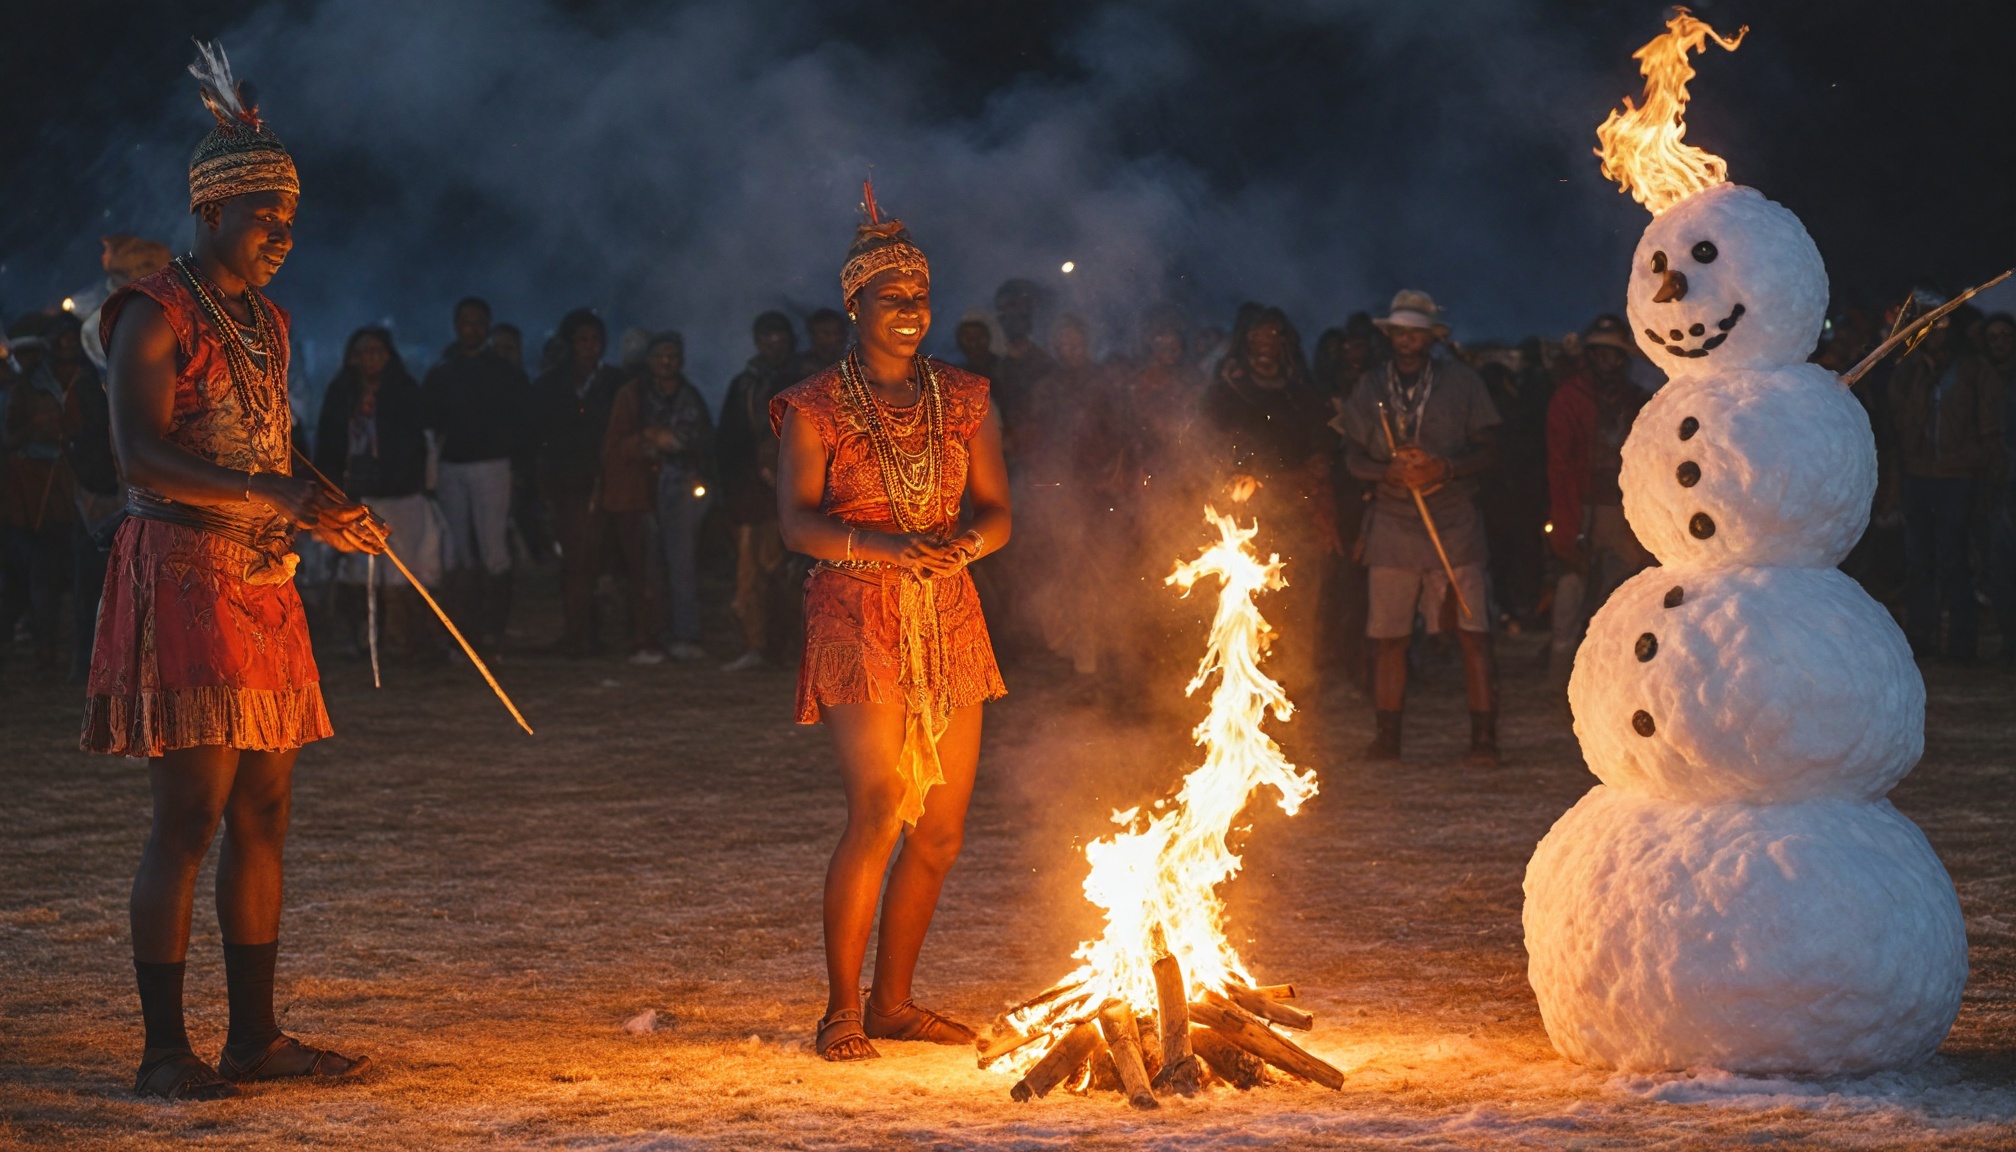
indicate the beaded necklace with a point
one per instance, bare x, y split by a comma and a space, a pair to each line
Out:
263, 405
909, 476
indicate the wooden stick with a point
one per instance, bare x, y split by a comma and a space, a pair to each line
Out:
1266, 1009
1000, 1043
1908, 331
1228, 1061
1064, 1057
1172, 1009
1427, 521
1276, 991
1123, 1038
1255, 1037
468, 649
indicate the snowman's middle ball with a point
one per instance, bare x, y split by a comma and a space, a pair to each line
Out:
1726, 279
1763, 685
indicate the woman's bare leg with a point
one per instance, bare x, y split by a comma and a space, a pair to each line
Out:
867, 738
929, 850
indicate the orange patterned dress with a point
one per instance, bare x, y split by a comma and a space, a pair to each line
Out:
201, 638
876, 634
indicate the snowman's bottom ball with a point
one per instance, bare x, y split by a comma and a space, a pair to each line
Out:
1822, 937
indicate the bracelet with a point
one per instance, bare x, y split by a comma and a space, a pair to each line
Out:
248, 485
850, 544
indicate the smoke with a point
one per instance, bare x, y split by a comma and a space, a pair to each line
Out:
690, 167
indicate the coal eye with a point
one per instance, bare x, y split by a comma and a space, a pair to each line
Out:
1659, 263
1705, 253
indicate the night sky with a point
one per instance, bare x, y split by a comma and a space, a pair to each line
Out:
688, 165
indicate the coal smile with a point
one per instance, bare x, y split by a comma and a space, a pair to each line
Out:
1672, 340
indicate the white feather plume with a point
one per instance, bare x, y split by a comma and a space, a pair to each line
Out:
219, 89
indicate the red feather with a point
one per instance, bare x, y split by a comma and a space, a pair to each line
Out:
868, 194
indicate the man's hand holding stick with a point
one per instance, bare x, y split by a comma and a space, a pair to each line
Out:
1410, 462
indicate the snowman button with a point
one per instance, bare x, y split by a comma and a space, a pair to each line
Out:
1676, 334
1697, 330
1688, 427
1648, 647
1689, 474
1674, 596
1641, 723
1701, 526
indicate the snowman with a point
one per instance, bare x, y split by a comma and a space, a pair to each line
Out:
1737, 893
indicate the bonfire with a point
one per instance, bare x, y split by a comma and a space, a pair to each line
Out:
1161, 1001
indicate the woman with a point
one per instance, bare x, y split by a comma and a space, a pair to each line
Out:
877, 454
371, 440
657, 458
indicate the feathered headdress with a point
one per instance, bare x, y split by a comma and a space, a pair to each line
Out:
241, 154
879, 245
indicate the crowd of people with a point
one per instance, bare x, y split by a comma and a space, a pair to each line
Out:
612, 465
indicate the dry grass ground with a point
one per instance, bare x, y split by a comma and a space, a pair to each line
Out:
480, 912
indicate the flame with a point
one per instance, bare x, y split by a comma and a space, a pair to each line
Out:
1642, 149
1158, 878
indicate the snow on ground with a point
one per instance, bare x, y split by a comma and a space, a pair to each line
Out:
484, 913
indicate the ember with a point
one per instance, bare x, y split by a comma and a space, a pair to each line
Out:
1162, 995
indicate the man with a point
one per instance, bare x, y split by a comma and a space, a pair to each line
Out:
1020, 369
571, 404
1441, 420
826, 331
976, 346
1588, 420
746, 453
1998, 346
477, 406
202, 662
1269, 419
1947, 405
39, 490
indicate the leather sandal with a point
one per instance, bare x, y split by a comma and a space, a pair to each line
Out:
847, 1039
287, 1059
180, 1075
909, 1021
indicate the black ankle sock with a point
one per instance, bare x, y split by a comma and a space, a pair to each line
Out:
161, 1004
248, 975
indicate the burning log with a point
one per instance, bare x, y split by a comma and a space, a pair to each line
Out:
1276, 991
1228, 1061
1123, 1039
1064, 1058
1181, 1071
1264, 1007
1247, 1031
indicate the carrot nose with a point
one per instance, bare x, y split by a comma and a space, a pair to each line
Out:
1674, 287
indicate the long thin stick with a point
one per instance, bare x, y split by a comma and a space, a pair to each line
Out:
1428, 521
468, 649
371, 614
1910, 330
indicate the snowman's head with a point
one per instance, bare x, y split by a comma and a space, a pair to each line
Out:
1727, 279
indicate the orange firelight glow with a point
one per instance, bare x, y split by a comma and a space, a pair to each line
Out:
1642, 146
1159, 875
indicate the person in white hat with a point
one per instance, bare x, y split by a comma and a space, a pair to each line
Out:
1441, 420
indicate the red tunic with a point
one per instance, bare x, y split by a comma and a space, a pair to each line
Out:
201, 639
854, 627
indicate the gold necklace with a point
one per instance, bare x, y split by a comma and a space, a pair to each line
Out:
909, 476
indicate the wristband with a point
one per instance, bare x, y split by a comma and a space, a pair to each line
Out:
248, 485
850, 544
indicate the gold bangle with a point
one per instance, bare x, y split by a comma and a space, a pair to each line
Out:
850, 544
248, 485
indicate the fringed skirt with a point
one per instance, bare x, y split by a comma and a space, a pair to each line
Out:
854, 642
189, 653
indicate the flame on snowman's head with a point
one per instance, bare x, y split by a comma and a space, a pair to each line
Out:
1642, 147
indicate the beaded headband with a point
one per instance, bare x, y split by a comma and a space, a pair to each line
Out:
241, 154
879, 245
